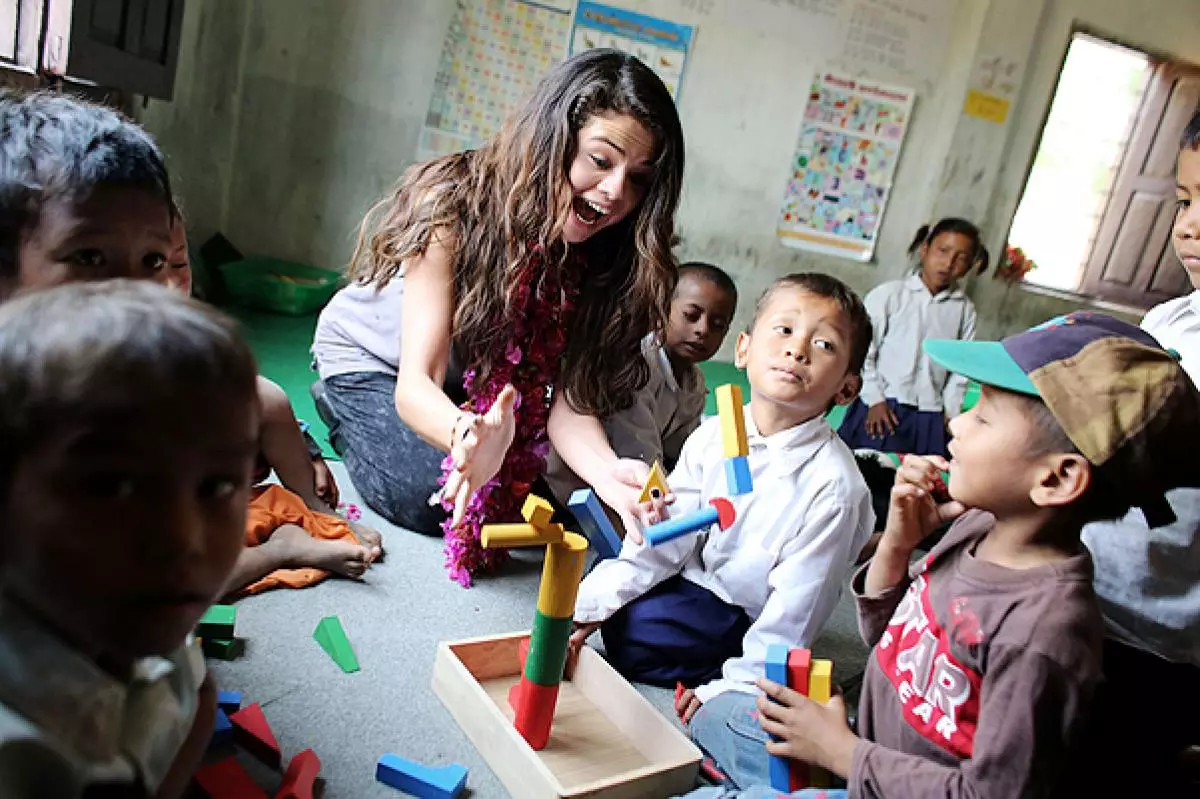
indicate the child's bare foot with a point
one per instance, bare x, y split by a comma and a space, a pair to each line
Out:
370, 538
296, 549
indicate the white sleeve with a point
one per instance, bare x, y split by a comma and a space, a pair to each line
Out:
876, 303
805, 586
956, 385
640, 567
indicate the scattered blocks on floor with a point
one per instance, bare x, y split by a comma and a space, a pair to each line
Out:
657, 481
217, 622
226, 779
299, 781
424, 782
223, 648
595, 523
229, 701
222, 729
332, 638
737, 476
254, 734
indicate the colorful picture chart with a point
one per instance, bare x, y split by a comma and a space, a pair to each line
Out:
661, 45
494, 53
842, 171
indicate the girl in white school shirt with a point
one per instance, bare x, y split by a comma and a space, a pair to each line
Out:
906, 399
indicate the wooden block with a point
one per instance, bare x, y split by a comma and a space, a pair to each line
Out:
820, 689
737, 476
656, 481
222, 729
299, 781
607, 741
253, 734
561, 573
720, 512
424, 782
229, 701
595, 523
222, 648
217, 622
733, 421
523, 651
799, 667
779, 768
519, 535
533, 707
332, 638
226, 779
537, 511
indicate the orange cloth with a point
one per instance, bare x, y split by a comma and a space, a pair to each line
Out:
275, 506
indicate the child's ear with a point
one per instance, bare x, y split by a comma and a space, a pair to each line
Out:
922, 251
849, 390
742, 350
1063, 480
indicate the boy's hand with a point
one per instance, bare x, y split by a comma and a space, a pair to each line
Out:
326, 486
686, 703
576, 642
914, 512
881, 420
807, 730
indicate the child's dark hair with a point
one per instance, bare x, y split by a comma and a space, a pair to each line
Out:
52, 147
1190, 140
823, 285
83, 350
926, 235
712, 273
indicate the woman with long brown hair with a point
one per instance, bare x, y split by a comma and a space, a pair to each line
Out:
499, 303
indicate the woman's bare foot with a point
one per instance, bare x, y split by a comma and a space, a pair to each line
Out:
370, 538
296, 549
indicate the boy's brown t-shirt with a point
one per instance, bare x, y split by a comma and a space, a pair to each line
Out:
979, 677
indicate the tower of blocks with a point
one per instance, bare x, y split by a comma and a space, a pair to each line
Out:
535, 696
812, 677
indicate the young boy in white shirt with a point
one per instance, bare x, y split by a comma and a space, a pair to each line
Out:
703, 609
1148, 578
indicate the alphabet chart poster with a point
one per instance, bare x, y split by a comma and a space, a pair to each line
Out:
843, 167
494, 53
659, 44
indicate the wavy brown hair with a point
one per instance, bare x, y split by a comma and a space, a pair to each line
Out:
492, 206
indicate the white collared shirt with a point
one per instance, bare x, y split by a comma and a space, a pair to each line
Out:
1148, 579
783, 560
904, 314
65, 724
664, 413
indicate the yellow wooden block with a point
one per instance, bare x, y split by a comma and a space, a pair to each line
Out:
560, 576
657, 479
733, 421
519, 535
537, 511
820, 680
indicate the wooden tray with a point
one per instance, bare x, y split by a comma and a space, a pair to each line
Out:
608, 742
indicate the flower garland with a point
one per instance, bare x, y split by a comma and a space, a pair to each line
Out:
537, 325
1015, 266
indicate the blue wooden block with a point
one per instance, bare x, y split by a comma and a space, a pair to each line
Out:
229, 701
222, 730
737, 476
424, 782
671, 529
595, 523
776, 671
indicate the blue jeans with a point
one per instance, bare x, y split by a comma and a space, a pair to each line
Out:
727, 728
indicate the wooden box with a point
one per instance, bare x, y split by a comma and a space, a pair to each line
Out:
608, 742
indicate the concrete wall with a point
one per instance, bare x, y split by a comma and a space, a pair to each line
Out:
292, 116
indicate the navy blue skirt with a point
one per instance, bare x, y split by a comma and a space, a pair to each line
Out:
675, 632
918, 432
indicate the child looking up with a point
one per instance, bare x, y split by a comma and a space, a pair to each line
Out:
121, 527
906, 398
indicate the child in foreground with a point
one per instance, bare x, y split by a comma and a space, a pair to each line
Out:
987, 651
121, 527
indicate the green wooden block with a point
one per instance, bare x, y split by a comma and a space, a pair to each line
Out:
223, 648
217, 622
547, 649
332, 638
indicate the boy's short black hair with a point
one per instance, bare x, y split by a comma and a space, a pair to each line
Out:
1190, 140
831, 288
81, 350
53, 146
712, 273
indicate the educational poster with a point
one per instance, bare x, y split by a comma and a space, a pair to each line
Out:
494, 53
849, 146
661, 45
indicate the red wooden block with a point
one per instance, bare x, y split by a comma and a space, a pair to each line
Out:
300, 777
523, 652
799, 665
253, 734
226, 779
535, 711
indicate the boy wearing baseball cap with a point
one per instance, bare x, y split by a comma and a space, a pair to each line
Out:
987, 651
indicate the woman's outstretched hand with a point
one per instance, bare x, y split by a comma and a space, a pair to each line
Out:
479, 446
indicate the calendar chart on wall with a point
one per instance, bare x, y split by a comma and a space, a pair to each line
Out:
843, 166
660, 44
494, 53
